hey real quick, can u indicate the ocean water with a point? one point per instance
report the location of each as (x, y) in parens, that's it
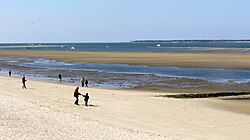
(211, 47)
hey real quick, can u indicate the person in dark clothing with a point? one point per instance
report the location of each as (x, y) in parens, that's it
(10, 73)
(86, 99)
(76, 95)
(60, 77)
(23, 81)
(86, 83)
(82, 81)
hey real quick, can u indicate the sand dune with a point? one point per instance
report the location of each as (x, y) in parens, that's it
(46, 111)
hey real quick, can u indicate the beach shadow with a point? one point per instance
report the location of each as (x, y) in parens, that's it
(90, 105)
(29, 88)
(237, 98)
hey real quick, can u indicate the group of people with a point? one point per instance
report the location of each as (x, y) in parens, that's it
(76, 92)
(23, 80)
(76, 95)
(82, 81)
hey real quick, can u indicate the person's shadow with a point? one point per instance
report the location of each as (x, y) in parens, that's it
(237, 98)
(91, 105)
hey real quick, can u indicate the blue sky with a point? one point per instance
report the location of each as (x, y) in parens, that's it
(122, 20)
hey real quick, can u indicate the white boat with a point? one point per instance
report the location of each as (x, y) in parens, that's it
(158, 45)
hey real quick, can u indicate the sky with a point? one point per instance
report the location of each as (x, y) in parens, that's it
(122, 20)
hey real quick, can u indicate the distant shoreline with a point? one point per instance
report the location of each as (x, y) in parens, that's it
(191, 41)
(27, 46)
(139, 41)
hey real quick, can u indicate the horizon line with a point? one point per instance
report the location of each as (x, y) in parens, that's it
(128, 41)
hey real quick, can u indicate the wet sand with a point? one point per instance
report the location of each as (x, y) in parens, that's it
(210, 88)
(183, 60)
(46, 111)
(139, 82)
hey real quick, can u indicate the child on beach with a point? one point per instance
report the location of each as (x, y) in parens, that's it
(86, 99)
(86, 83)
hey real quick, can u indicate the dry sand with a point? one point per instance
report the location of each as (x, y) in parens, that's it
(184, 60)
(46, 111)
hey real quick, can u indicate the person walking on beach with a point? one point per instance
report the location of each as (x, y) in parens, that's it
(86, 99)
(82, 81)
(86, 83)
(60, 78)
(76, 95)
(10, 73)
(23, 81)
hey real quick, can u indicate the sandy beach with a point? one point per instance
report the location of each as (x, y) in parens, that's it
(183, 60)
(46, 111)
(151, 70)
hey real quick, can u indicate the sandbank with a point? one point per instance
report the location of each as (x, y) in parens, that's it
(183, 60)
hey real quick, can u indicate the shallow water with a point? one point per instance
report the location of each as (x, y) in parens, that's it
(212, 75)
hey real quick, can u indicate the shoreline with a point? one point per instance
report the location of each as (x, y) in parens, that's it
(121, 81)
(139, 82)
(181, 60)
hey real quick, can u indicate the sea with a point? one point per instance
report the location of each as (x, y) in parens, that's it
(129, 76)
(196, 47)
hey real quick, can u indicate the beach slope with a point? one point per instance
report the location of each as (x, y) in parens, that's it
(46, 111)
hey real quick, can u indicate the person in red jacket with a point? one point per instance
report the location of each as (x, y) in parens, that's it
(76, 95)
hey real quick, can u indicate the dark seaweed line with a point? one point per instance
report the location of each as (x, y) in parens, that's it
(206, 95)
